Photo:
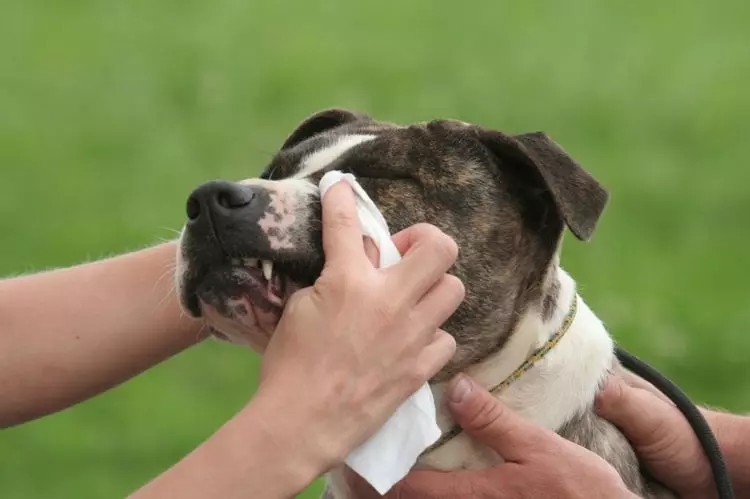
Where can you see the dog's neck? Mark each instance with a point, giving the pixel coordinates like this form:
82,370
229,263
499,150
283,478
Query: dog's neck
561,385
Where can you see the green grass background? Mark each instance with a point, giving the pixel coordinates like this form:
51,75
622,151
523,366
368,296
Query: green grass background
111,112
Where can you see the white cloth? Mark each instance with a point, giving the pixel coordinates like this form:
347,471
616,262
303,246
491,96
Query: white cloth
390,453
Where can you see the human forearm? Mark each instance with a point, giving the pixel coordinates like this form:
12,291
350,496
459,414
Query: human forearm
733,434
68,334
261,452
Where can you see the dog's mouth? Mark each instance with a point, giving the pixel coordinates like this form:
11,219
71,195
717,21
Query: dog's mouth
242,299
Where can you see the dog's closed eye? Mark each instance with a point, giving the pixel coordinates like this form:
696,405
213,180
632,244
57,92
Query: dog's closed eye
376,171
381,174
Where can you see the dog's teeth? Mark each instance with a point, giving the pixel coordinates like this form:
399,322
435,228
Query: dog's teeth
267,269
251,262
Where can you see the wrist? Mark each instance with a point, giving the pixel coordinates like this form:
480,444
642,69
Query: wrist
288,440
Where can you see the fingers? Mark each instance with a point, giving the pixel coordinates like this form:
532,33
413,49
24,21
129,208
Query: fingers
405,239
431,253
342,232
435,355
644,418
440,302
637,382
486,419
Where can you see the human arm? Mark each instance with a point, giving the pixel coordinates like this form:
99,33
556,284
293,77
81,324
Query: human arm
345,354
733,434
69,334
265,450
667,445
662,438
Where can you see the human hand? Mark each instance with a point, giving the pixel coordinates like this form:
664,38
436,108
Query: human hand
539,463
660,434
351,348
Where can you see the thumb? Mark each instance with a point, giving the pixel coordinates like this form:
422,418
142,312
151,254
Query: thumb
644,418
483,417
342,232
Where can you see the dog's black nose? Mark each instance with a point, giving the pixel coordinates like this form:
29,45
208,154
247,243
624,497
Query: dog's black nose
218,199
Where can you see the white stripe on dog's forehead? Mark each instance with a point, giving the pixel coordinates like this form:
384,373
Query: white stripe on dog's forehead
321,158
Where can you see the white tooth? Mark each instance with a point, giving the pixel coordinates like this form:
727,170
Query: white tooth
251,262
267,269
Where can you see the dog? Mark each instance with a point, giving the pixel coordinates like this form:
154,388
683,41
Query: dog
505,199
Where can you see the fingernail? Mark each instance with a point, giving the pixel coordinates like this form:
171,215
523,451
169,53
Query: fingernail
608,390
331,185
459,389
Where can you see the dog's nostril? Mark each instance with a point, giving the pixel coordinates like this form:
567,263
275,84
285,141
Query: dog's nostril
234,197
224,201
218,199
193,208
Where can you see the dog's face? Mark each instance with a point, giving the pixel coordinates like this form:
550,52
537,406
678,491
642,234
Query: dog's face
247,246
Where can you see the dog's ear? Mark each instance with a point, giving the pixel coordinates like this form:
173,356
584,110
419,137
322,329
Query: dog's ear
579,198
321,122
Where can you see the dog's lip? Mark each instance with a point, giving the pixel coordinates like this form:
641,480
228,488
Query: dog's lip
189,298
284,282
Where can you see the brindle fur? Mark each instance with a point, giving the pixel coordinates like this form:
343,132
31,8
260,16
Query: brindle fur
479,187
506,201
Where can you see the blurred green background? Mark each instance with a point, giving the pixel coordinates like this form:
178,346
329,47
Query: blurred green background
111,112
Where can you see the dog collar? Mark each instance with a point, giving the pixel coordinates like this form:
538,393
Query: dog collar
543,350
527,364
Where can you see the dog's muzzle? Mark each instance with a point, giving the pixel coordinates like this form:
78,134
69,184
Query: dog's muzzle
233,277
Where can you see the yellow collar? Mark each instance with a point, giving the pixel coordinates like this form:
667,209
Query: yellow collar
540,352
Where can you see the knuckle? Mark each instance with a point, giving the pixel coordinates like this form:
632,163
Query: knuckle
342,218
342,281
420,373
451,247
449,343
487,413
661,440
425,230
445,246
456,286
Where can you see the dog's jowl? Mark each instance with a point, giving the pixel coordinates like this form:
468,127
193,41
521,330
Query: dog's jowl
505,199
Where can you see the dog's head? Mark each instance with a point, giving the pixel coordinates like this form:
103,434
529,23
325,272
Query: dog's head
505,199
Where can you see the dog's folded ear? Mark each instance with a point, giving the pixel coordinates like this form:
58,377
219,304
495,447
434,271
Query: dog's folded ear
579,198
321,122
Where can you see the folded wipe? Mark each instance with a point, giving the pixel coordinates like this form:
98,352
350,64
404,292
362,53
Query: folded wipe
390,453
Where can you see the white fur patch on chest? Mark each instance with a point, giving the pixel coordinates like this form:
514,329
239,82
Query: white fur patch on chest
556,389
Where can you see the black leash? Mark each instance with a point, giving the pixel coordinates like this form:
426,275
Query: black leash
692,414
